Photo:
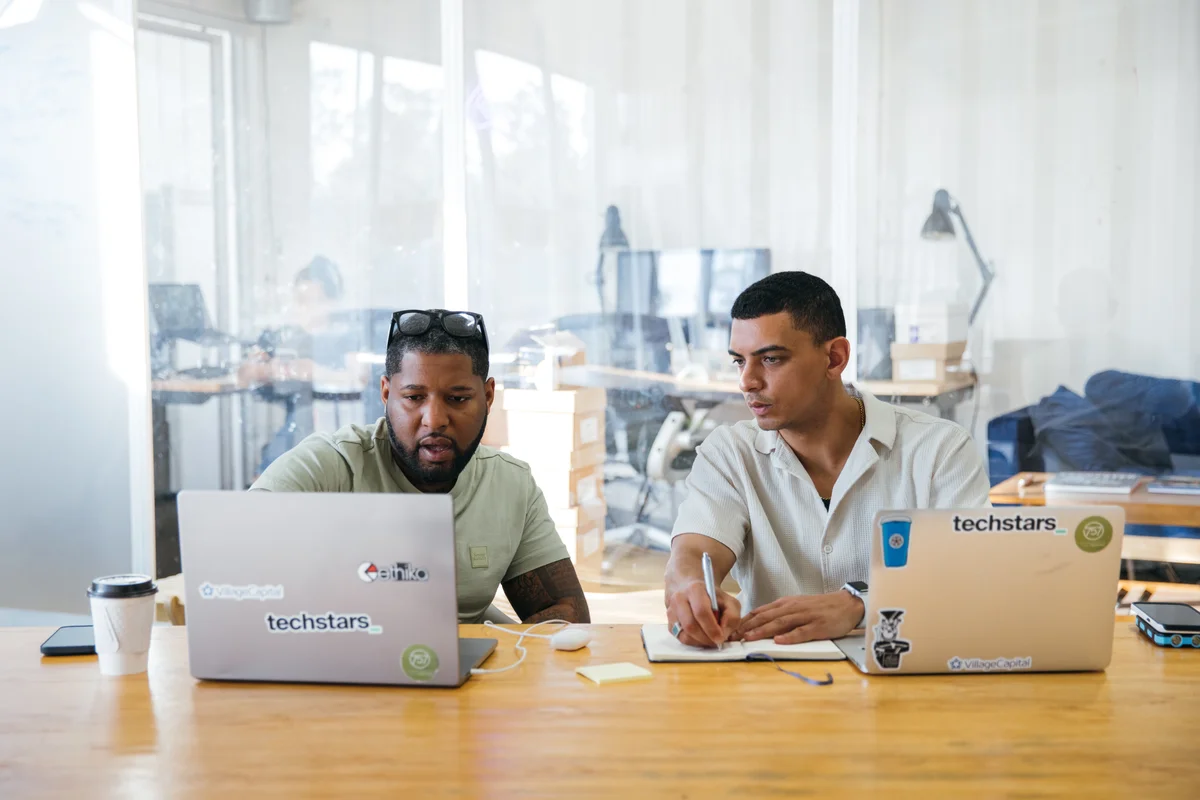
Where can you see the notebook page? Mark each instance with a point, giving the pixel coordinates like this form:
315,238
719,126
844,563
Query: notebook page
821,650
662,646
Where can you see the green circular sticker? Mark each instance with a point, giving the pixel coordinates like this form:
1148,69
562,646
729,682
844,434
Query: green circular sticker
419,662
1093,534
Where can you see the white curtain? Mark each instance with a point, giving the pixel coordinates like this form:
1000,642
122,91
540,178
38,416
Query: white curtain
705,122
1069,131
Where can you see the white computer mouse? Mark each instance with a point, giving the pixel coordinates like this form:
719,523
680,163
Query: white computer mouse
571,638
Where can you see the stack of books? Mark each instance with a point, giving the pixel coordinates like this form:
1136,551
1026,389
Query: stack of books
1174,484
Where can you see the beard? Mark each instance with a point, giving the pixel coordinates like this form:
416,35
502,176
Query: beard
435,474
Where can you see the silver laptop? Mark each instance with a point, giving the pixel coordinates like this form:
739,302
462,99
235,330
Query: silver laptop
324,588
991,590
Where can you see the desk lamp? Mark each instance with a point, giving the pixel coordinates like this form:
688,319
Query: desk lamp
939,227
613,238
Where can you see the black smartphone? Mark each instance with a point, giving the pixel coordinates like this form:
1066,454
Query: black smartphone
70,640
1168,624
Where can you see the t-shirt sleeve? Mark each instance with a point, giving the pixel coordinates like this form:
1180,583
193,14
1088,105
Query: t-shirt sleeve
960,478
714,505
314,465
540,543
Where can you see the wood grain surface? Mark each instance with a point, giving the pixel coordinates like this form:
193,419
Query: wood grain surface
695,730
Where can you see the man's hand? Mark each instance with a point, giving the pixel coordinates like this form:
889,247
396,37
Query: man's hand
792,620
690,606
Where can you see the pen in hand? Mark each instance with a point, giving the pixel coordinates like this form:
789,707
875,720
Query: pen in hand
710,586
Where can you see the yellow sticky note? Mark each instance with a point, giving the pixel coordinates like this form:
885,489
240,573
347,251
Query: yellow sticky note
615,673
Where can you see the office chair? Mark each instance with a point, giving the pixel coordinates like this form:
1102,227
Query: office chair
633,418
361,330
627,341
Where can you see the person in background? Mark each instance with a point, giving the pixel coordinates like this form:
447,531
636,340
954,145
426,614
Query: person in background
786,502
436,396
287,360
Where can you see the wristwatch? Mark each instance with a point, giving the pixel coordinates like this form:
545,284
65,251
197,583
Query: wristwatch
859,590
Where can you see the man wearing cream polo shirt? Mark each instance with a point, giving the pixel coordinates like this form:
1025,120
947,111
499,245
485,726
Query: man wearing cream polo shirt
786,502
436,396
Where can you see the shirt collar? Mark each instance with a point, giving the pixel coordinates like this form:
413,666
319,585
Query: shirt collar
880,427
881,419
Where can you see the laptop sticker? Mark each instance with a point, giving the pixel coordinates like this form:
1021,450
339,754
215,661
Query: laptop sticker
369,572
888,648
329,622
224,591
1093,534
895,532
419,662
957,664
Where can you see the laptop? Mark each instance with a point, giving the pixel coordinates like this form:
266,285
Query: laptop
990,590
324,588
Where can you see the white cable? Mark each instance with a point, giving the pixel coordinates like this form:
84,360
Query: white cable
520,638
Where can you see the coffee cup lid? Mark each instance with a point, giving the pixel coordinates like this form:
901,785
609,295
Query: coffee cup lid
122,586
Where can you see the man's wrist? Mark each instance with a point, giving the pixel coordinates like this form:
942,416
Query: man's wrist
858,604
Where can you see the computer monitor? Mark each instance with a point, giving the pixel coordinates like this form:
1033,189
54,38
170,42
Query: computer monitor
637,282
729,272
178,311
687,283
681,283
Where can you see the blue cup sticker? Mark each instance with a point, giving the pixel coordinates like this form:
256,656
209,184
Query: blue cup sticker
895,541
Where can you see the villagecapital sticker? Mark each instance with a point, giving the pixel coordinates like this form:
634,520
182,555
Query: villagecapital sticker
224,591
888,648
957,664
1093,534
419,662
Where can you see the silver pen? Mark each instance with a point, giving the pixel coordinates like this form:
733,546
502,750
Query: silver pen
710,586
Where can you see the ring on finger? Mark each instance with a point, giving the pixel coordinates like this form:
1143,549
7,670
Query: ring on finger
676,629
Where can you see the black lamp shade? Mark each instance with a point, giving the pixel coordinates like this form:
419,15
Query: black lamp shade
613,236
939,225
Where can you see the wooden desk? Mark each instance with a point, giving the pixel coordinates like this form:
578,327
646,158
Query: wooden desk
594,375
1141,508
943,396
695,730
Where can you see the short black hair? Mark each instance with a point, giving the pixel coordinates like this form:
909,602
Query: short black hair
437,341
813,304
323,271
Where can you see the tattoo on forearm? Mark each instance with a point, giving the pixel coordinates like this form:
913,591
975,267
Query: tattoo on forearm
549,592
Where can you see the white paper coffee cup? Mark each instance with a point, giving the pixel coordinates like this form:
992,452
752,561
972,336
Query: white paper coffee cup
122,617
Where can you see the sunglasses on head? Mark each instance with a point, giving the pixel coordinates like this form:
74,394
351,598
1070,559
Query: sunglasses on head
460,324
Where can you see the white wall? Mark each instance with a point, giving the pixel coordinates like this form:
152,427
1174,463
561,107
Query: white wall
75,478
1070,132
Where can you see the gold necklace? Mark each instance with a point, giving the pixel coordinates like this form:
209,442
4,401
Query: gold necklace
862,424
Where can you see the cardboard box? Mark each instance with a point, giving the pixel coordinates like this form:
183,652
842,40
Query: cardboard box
924,369
580,516
496,432
581,529
533,432
563,460
950,351
931,323
562,401
564,489
586,546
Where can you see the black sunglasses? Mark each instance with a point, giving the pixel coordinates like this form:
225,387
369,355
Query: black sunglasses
415,322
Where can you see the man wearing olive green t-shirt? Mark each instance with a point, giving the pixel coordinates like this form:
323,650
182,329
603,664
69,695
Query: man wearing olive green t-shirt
436,397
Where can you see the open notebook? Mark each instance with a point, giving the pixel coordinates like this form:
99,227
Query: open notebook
662,646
